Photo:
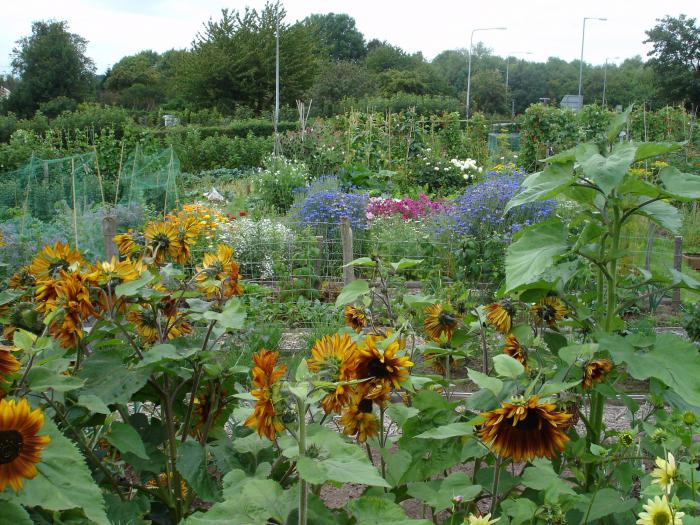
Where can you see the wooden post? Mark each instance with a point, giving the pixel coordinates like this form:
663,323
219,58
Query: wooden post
677,263
346,239
109,230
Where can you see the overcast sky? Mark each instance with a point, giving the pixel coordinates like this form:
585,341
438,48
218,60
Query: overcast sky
115,28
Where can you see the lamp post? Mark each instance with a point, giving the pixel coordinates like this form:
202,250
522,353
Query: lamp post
605,76
583,39
513,53
469,68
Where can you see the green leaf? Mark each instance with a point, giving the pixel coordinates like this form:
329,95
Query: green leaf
681,186
522,510
375,510
232,317
132,287
607,172
418,301
549,389
448,431
571,353
543,185
24,340
647,150
662,213
362,261
13,513
399,413
481,380
618,123
507,366
107,378
438,494
192,464
607,501
162,353
7,296
351,292
404,264
541,476
125,438
534,251
302,371
42,379
93,404
63,481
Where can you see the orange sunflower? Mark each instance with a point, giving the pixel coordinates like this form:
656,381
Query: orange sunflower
549,310
440,322
334,359
221,267
525,429
20,446
130,243
9,364
384,368
355,318
49,263
22,278
73,298
266,375
595,371
359,420
149,325
500,315
514,349
187,230
163,239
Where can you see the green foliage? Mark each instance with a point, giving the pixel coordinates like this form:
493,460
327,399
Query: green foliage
338,36
691,321
277,182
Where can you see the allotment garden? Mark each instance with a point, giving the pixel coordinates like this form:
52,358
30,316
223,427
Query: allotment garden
376,318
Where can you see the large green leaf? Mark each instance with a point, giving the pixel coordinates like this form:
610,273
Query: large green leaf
374,510
662,213
108,379
132,287
607,501
543,185
618,123
671,359
607,172
648,150
353,291
681,186
125,438
162,353
13,513
507,366
192,464
534,252
448,431
42,379
438,494
63,481
541,476
521,510
493,384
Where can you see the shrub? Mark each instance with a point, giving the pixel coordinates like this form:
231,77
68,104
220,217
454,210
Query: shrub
691,321
276,184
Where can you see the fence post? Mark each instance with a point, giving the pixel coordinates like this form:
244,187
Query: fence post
346,239
677,262
109,230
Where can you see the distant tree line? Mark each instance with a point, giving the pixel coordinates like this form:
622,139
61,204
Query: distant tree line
230,66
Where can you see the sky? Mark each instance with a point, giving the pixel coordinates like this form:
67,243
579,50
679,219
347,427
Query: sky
543,28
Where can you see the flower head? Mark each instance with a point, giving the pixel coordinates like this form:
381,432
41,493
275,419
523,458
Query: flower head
549,310
49,263
385,368
72,297
595,371
440,322
163,238
514,349
480,520
359,420
266,375
218,275
334,358
658,512
500,315
665,472
354,317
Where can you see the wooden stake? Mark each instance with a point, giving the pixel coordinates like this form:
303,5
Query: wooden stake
99,176
346,240
119,175
75,211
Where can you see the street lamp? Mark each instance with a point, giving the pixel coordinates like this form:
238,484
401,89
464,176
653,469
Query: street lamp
469,69
605,76
513,53
583,38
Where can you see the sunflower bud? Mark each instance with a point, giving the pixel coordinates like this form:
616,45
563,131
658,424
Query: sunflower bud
659,436
689,418
626,439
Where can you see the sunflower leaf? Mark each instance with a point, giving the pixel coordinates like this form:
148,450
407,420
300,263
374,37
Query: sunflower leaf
507,366
352,292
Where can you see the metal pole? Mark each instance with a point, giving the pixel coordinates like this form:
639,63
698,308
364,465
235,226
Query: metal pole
469,67
507,64
605,78
580,66
277,82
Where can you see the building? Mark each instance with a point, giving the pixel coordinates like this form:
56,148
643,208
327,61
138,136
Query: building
4,93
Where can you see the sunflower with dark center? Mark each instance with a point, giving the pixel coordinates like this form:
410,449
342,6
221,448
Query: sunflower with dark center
440,322
525,429
500,315
115,272
379,361
149,324
221,267
52,260
355,318
130,243
514,349
549,310
20,446
188,228
9,364
73,299
265,419
595,371
163,240
359,420
334,358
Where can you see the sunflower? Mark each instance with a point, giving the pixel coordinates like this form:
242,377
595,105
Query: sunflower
665,472
480,520
514,349
20,447
500,315
440,322
355,318
53,259
359,420
9,364
45,295
549,310
73,298
162,483
266,375
523,430
334,358
163,240
383,367
658,512
22,278
129,243
595,371
222,267
149,325
23,315
188,228
115,272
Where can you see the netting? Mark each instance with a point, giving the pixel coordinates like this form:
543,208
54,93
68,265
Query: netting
149,180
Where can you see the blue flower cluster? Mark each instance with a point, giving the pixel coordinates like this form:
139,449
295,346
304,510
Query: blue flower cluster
326,205
478,210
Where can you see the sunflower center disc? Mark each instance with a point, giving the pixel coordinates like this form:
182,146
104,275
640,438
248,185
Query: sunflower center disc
10,445
661,518
377,369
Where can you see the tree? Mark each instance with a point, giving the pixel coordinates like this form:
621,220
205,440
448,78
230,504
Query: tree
51,63
338,80
338,35
676,58
489,92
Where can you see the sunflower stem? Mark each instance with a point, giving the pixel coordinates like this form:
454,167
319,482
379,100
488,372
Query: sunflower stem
494,486
303,488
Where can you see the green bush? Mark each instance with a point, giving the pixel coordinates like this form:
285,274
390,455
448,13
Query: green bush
277,183
691,321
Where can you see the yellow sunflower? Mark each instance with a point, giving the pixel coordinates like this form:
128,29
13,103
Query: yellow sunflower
355,318
221,267
359,420
384,368
440,321
514,349
665,472
480,520
9,364
130,243
334,359
595,371
658,512
20,446
500,315
187,230
22,278
525,429
162,483
150,325
115,272
163,239
266,375
53,259
73,298
549,310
